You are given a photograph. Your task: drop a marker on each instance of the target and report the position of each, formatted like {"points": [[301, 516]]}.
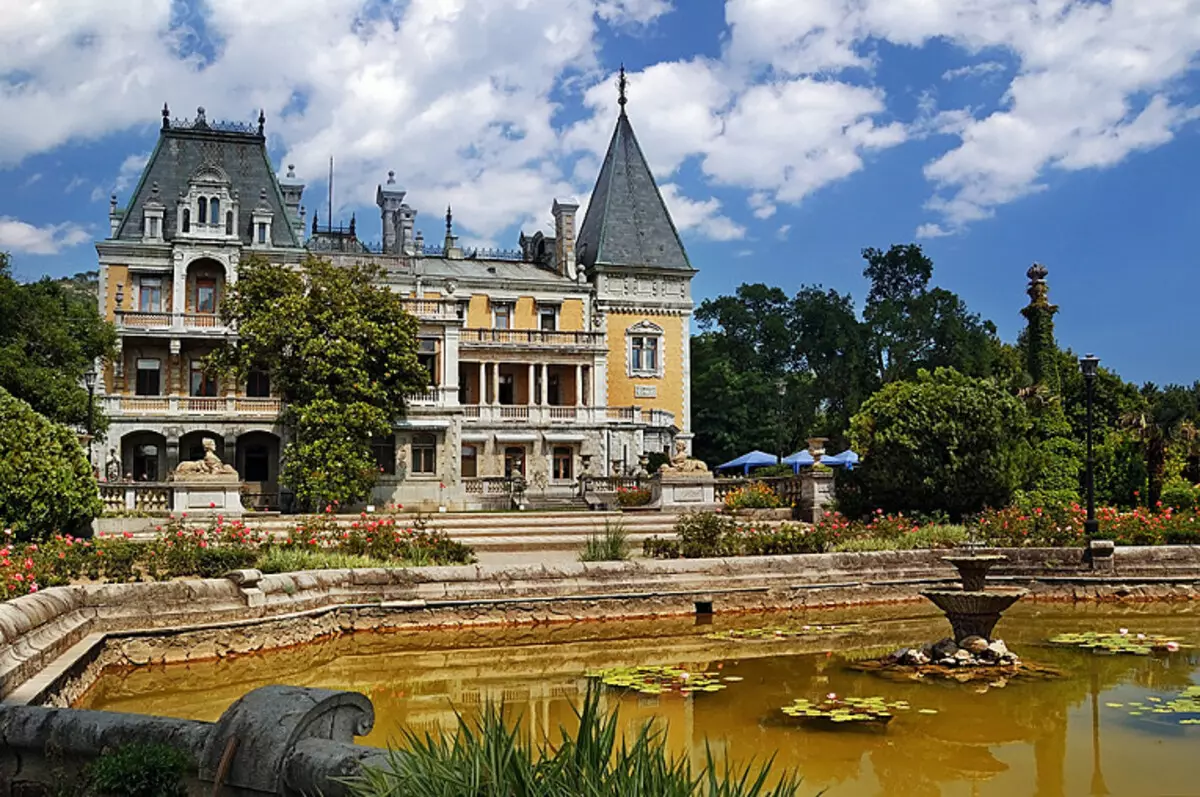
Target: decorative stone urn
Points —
{"points": [[207, 486], [973, 611]]}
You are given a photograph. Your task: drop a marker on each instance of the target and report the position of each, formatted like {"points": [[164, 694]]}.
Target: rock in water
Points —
{"points": [[944, 649], [998, 649], [975, 644], [900, 656], [964, 657]]}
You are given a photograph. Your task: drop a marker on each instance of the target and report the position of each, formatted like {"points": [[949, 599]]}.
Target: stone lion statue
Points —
{"points": [[210, 466], [682, 463]]}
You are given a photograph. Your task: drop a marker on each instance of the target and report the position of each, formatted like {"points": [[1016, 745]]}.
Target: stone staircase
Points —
{"points": [[504, 532]]}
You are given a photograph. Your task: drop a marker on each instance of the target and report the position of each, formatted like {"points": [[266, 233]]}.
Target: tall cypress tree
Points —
{"points": [[1040, 347]]}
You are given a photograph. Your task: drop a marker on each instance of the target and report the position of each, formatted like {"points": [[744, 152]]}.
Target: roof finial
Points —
{"points": [[449, 221], [166, 115], [622, 84], [352, 235], [391, 177], [262, 120], [316, 214]]}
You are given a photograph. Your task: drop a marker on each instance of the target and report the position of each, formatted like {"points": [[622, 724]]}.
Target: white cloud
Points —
{"points": [[638, 12], [31, 179], [973, 70], [461, 98], [782, 232], [23, 238], [701, 217], [74, 184], [932, 231]]}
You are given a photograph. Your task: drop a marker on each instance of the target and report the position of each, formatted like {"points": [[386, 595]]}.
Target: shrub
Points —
{"points": [[1179, 494], [498, 756], [942, 442], [610, 546], [138, 770], [46, 484], [291, 560], [755, 495], [704, 535], [660, 548], [633, 496]]}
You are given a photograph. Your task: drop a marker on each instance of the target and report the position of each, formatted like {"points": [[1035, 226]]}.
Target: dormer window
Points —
{"points": [[229, 222], [209, 207], [214, 210], [202, 215], [186, 225], [262, 232]]}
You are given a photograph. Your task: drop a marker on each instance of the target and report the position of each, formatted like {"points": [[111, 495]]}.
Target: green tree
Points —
{"points": [[342, 352], [914, 326], [46, 484], [51, 332], [1163, 421], [943, 442]]}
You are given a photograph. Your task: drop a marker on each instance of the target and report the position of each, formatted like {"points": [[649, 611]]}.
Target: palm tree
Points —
{"points": [[1161, 421]]}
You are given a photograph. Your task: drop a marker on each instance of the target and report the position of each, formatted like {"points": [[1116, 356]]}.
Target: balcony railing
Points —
{"points": [[136, 496], [433, 309], [554, 415], [192, 405], [530, 337], [176, 322]]}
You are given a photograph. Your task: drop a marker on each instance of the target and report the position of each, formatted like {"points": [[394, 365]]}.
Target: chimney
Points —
{"points": [[292, 190], [564, 237], [114, 216], [390, 200], [406, 218]]}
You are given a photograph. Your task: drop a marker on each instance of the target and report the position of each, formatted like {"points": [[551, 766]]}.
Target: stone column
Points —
{"points": [[530, 398], [545, 383], [450, 366], [229, 456], [494, 394], [483, 394], [578, 385], [172, 458]]}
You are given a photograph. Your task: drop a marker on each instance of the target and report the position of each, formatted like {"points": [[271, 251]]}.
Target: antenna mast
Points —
{"points": [[330, 216]]}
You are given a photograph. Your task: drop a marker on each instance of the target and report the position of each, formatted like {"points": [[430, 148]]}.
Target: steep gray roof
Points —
{"points": [[627, 222], [182, 149]]}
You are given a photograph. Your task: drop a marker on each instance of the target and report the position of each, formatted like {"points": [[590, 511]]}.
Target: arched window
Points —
{"points": [[214, 211], [514, 461], [187, 220], [202, 216], [228, 222]]}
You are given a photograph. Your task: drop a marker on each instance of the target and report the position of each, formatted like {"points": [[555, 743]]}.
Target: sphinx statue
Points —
{"points": [[210, 467], [682, 463]]}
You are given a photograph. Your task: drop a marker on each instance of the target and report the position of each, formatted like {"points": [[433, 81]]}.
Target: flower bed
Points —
{"points": [[629, 497], [208, 551], [755, 495]]}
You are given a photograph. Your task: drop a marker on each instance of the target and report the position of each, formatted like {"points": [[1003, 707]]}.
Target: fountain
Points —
{"points": [[972, 610]]}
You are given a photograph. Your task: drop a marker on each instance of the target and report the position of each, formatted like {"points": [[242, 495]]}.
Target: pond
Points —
{"points": [[1100, 729]]}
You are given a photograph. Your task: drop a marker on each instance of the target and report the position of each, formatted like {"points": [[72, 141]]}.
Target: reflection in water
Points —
{"points": [[1030, 738]]}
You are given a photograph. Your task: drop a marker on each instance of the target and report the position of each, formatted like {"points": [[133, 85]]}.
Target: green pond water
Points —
{"points": [[1093, 731]]}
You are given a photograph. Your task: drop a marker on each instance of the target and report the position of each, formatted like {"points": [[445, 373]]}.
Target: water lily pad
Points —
{"points": [[657, 680], [844, 711], [1122, 642], [776, 633]]}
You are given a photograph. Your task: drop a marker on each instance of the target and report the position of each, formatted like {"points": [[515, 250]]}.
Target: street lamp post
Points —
{"points": [[781, 443], [89, 381], [1088, 366]]}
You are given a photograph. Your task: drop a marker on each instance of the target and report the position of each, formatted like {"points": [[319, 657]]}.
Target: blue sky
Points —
{"points": [[786, 136]]}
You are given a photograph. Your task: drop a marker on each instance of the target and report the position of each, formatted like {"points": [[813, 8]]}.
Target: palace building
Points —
{"points": [[568, 353]]}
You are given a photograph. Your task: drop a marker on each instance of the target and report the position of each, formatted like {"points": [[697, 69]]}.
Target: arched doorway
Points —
{"points": [[191, 445], [144, 456], [257, 463]]}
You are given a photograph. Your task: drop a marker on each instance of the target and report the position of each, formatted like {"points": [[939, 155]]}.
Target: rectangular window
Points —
{"points": [[262, 232], [427, 355], [384, 451], [258, 384], [153, 224], [643, 356], [206, 296], [424, 450], [507, 391], [148, 378], [470, 462], [202, 385], [563, 459], [548, 318], [150, 295], [502, 316]]}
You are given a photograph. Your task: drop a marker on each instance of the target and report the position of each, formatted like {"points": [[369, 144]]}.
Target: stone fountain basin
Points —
{"points": [[957, 601]]}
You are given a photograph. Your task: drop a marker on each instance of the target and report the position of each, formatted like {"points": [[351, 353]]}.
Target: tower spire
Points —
{"points": [[622, 84]]}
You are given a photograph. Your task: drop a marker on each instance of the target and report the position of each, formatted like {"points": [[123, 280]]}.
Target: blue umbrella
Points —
{"points": [[801, 459], [754, 459], [847, 458]]}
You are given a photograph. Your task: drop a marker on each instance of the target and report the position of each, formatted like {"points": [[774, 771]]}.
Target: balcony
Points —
{"points": [[530, 338], [541, 415], [183, 406], [434, 309], [130, 322]]}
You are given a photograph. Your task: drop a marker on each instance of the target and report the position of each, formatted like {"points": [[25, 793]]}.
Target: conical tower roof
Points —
{"points": [[627, 222]]}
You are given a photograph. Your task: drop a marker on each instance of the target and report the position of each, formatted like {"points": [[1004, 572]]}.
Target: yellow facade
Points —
{"points": [[479, 315], [570, 316], [525, 313], [116, 275], [670, 387]]}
